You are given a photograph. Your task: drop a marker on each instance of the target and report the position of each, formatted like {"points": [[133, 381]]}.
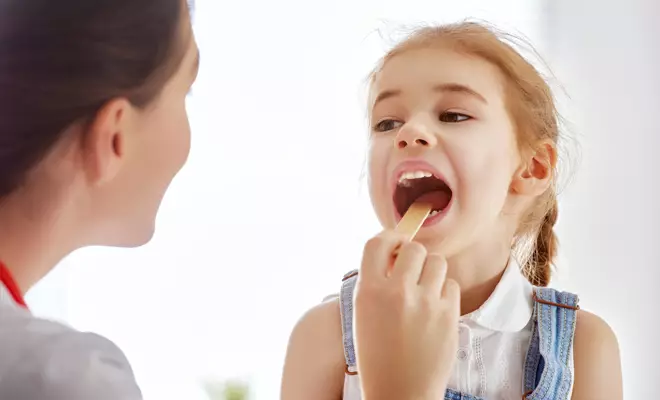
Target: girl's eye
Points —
{"points": [[453, 117], [387, 125]]}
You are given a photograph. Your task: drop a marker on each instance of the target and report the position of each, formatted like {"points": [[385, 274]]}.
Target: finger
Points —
{"points": [[377, 256], [451, 293], [409, 262], [433, 274]]}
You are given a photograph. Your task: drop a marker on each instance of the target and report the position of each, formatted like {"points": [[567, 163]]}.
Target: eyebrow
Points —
{"points": [[440, 88]]}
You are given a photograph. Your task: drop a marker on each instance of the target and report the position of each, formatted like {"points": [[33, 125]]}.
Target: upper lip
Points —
{"points": [[414, 165]]}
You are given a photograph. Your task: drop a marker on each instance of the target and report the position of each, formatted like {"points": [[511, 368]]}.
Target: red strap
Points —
{"points": [[8, 280]]}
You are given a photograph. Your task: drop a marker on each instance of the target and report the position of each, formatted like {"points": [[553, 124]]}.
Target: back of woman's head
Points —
{"points": [[61, 61]]}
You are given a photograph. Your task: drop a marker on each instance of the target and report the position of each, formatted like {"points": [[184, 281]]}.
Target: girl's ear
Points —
{"points": [[536, 172]]}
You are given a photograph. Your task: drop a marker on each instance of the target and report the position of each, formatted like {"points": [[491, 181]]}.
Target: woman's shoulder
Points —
{"points": [[48, 360]]}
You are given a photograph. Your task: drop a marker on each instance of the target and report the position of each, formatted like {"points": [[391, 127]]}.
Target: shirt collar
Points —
{"points": [[509, 308]]}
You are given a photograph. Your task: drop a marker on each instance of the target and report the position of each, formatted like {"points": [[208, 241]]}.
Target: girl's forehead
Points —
{"points": [[427, 68]]}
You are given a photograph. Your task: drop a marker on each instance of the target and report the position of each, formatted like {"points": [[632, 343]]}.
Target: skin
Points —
{"points": [[412, 312], [597, 360], [101, 184], [448, 110]]}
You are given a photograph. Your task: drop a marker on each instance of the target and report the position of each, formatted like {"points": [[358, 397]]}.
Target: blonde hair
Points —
{"points": [[531, 105]]}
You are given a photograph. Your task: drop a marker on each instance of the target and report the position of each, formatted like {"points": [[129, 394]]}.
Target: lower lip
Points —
{"points": [[434, 219]]}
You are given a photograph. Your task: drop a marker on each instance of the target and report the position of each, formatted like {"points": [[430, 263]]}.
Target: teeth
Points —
{"points": [[410, 175], [432, 213]]}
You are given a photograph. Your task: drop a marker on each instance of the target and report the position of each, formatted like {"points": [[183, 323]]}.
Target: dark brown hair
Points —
{"points": [[61, 61], [531, 105]]}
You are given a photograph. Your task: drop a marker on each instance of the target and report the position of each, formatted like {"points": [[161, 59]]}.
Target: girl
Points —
{"points": [[460, 120]]}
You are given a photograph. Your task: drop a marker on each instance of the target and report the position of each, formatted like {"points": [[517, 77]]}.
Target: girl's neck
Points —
{"points": [[478, 271]]}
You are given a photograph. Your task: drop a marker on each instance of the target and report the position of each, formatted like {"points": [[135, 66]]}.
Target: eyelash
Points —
{"points": [[455, 114], [442, 117]]}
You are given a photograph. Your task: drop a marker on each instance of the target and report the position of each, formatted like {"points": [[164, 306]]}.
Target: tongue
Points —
{"points": [[438, 199]]}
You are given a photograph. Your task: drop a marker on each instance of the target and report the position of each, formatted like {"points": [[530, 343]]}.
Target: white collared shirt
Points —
{"points": [[493, 342], [46, 360]]}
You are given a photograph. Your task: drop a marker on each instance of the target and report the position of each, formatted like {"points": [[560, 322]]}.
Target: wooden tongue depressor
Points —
{"points": [[412, 221]]}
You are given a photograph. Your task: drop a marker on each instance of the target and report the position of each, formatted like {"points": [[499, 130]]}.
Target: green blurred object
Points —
{"points": [[227, 390], [236, 391]]}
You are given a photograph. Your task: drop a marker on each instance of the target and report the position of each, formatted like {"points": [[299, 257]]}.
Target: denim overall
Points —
{"points": [[547, 369]]}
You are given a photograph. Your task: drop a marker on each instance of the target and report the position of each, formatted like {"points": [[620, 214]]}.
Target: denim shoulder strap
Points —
{"points": [[346, 310], [548, 371]]}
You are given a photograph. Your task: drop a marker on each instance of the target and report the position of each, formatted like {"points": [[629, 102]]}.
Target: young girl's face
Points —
{"points": [[440, 130]]}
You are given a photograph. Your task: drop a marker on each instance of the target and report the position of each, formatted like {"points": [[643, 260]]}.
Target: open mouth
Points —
{"points": [[421, 186]]}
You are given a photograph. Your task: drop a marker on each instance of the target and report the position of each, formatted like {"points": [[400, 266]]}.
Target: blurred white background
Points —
{"points": [[272, 208]]}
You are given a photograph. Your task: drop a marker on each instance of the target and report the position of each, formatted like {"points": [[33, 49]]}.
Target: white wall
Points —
{"points": [[607, 56]]}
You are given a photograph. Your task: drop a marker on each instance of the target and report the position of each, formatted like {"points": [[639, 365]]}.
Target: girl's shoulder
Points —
{"points": [[586, 323], [314, 365], [595, 349], [317, 333], [590, 325], [596, 358], [317, 336]]}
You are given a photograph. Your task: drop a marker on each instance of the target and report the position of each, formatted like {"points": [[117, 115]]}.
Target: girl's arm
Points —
{"points": [[314, 365], [597, 361]]}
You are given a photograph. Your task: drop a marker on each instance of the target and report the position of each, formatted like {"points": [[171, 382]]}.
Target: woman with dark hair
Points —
{"points": [[93, 128]]}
